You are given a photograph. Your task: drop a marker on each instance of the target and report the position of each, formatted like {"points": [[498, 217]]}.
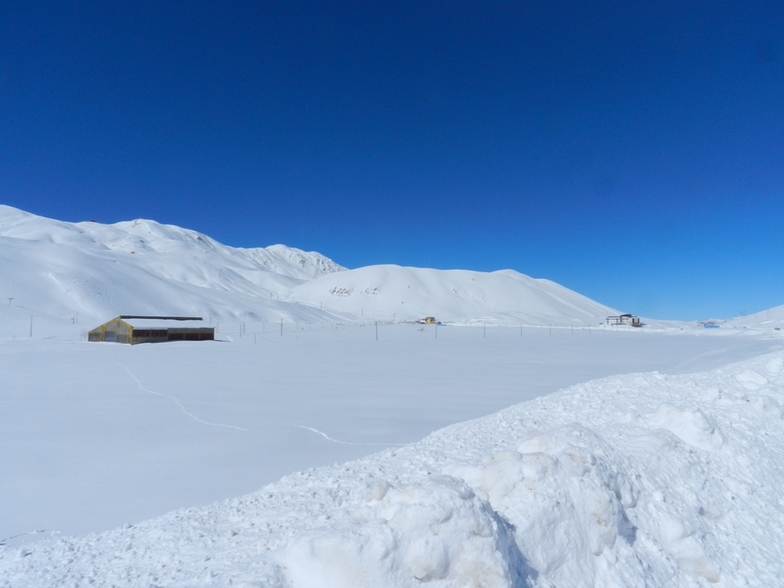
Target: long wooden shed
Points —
{"points": [[135, 329]]}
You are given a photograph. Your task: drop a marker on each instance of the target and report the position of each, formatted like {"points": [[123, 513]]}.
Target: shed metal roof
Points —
{"points": [[164, 322]]}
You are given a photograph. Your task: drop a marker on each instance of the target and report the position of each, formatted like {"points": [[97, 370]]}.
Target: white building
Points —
{"points": [[624, 319]]}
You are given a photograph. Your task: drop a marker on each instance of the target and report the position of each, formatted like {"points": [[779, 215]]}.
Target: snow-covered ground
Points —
{"points": [[652, 478], [97, 435], [643, 479], [100, 434]]}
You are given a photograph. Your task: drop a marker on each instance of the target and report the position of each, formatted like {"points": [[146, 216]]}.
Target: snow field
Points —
{"points": [[108, 434], [644, 479], [634, 480]]}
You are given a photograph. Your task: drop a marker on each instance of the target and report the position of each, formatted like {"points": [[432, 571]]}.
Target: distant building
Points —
{"points": [[152, 329], [624, 319], [430, 320]]}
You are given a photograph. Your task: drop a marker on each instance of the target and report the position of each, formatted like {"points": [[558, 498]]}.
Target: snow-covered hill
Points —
{"points": [[452, 295], [177, 246], [143, 267], [772, 318]]}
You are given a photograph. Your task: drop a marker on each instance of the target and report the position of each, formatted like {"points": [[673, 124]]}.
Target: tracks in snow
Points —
{"points": [[178, 403], [328, 438]]}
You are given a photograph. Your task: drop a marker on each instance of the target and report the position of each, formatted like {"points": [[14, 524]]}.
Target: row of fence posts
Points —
{"points": [[243, 331], [243, 327]]}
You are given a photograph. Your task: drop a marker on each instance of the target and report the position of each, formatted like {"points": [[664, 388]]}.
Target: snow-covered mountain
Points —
{"points": [[61, 268], [504, 296], [771, 318], [142, 266]]}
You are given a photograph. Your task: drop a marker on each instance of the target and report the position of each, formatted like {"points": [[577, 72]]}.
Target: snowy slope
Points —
{"points": [[771, 318], [99, 271], [635, 480], [144, 267], [451, 295], [181, 246]]}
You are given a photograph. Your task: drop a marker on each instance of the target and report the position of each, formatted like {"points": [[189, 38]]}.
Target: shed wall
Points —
{"points": [[119, 331]]}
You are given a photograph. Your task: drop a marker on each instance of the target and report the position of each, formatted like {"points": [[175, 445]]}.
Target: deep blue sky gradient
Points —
{"points": [[631, 151]]}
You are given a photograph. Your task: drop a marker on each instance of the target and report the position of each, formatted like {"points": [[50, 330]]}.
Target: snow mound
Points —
{"points": [[435, 531], [634, 480], [691, 426]]}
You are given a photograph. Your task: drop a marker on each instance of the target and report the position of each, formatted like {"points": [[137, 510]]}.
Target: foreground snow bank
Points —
{"points": [[635, 480]]}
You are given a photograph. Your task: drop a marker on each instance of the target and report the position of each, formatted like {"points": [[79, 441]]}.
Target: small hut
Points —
{"points": [[134, 329]]}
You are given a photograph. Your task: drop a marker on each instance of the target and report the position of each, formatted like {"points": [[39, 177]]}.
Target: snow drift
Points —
{"points": [[634, 480]]}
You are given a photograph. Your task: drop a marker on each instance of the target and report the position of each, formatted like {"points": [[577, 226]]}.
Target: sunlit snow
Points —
{"points": [[470, 467]]}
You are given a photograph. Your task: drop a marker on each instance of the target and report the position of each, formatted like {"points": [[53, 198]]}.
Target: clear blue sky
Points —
{"points": [[632, 151]]}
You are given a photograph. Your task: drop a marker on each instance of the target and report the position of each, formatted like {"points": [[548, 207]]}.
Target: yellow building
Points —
{"points": [[152, 329]]}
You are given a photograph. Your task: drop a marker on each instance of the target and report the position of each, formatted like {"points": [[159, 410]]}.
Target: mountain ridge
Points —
{"points": [[143, 266]]}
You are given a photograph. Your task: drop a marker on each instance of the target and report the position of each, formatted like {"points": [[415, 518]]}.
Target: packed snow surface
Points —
{"points": [[633, 480]]}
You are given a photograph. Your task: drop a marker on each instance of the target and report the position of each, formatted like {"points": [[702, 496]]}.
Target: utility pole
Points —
{"points": [[484, 329], [9, 301], [31, 325], [281, 326], [376, 330]]}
